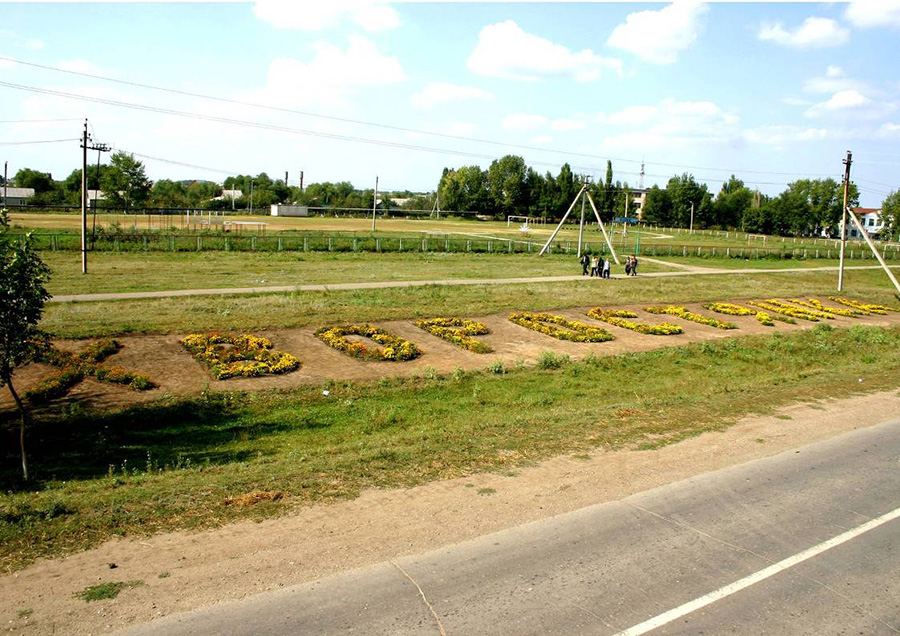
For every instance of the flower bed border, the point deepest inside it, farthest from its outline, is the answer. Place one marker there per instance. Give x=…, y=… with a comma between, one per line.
x=393, y=348
x=458, y=331
x=578, y=331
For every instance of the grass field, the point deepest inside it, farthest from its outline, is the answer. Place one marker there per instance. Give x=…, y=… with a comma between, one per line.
x=176, y=464
x=136, y=271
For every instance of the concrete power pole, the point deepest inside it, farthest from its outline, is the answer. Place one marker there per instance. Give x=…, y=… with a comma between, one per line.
x=692, y=217
x=847, y=161
x=301, y=181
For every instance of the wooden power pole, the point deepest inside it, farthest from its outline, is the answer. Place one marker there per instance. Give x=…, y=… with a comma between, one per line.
x=847, y=161
x=84, y=149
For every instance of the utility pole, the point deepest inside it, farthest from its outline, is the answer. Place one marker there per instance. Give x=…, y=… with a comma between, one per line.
x=251, y=196
x=847, y=161
x=374, y=200
x=5, y=182
x=84, y=149
x=301, y=181
x=692, y=217
x=285, y=177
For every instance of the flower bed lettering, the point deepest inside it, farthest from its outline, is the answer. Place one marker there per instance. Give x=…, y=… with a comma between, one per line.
x=230, y=355
x=75, y=367
x=681, y=312
x=459, y=331
x=619, y=318
x=393, y=348
x=812, y=303
x=778, y=307
x=865, y=308
x=560, y=327
x=763, y=317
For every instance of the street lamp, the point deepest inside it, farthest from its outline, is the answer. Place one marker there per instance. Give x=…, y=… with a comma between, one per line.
x=251, y=196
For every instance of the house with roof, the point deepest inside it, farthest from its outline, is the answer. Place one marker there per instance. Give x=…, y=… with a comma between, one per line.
x=15, y=196
x=871, y=219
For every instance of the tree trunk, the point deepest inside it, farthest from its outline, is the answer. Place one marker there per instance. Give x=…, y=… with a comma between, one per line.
x=23, y=418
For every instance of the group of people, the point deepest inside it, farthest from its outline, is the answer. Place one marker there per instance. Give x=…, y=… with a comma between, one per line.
x=598, y=266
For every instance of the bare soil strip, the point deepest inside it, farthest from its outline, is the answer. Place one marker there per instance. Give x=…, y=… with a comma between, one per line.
x=182, y=571
x=176, y=372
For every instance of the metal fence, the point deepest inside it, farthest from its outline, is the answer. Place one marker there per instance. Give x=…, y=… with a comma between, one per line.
x=199, y=242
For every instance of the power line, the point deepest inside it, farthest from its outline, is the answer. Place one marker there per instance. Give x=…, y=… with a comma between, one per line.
x=41, y=141
x=389, y=126
x=36, y=121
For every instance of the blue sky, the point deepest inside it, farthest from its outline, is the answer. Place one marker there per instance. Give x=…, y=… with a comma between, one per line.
x=770, y=91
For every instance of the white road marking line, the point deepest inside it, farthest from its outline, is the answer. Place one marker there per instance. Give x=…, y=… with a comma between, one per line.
x=756, y=577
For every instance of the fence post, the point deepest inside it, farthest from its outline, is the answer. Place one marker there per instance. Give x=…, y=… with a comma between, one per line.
x=468, y=245
x=227, y=244
x=378, y=245
x=279, y=243
x=171, y=243
x=400, y=245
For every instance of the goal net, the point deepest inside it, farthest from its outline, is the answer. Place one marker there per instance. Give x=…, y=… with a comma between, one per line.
x=524, y=220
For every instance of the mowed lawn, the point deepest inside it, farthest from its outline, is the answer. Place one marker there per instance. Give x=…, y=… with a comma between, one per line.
x=156, y=271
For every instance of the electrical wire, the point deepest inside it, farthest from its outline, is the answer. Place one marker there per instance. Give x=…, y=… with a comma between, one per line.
x=392, y=127
x=41, y=141
x=36, y=121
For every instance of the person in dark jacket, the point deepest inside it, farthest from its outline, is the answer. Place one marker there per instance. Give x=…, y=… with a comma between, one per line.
x=585, y=263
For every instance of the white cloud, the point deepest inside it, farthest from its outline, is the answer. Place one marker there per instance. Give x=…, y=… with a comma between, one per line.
x=834, y=80
x=842, y=100
x=567, y=125
x=34, y=44
x=630, y=115
x=541, y=140
x=658, y=36
x=795, y=101
x=332, y=71
x=318, y=16
x=670, y=124
x=523, y=121
x=813, y=33
x=889, y=129
x=865, y=14
x=505, y=50
x=781, y=135
x=437, y=93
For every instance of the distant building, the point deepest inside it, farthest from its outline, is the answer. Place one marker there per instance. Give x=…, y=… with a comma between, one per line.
x=15, y=196
x=94, y=196
x=871, y=220
x=229, y=195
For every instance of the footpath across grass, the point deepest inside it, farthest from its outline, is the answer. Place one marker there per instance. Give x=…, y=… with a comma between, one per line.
x=204, y=461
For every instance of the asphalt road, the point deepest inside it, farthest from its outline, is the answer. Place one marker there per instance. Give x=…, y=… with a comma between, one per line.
x=738, y=540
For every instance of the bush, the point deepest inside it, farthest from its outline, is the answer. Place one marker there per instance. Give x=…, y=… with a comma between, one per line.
x=549, y=360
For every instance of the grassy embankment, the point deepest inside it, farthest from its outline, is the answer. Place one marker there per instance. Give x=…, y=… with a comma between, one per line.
x=174, y=464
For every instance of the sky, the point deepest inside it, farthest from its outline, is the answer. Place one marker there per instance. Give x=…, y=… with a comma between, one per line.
x=771, y=92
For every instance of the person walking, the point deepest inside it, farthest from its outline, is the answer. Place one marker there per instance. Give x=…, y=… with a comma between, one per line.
x=594, y=269
x=634, y=263
x=585, y=262
x=605, y=269
x=628, y=266
x=600, y=264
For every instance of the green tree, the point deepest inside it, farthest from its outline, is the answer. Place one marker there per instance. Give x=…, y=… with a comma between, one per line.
x=890, y=212
x=125, y=183
x=506, y=184
x=658, y=207
x=39, y=181
x=22, y=278
x=168, y=194
x=731, y=204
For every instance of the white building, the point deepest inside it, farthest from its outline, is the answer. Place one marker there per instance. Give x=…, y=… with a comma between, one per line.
x=871, y=220
x=15, y=196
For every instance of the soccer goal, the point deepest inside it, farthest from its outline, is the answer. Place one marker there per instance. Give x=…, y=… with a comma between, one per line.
x=525, y=220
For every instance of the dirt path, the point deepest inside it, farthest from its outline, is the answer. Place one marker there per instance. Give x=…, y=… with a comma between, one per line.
x=176, y=372
x=685, y=270
x=181, y=571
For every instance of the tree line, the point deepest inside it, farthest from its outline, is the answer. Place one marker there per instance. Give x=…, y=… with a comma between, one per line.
x=507, y=187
